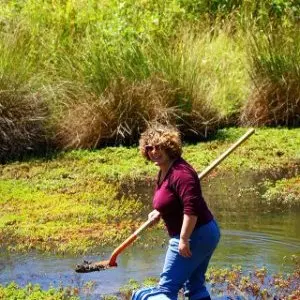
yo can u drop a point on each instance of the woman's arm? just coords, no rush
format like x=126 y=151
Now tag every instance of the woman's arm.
x=187 y=228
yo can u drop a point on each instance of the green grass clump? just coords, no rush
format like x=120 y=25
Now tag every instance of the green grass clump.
x=34 y=292
x=63 y=215
x=210 y=69
x=284 y=193
x=267 y=149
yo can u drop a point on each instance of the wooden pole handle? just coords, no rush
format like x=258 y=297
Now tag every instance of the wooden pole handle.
x=127 y=242
x=226 y=153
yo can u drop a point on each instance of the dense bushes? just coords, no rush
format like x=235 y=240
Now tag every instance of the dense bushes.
x=106 y=69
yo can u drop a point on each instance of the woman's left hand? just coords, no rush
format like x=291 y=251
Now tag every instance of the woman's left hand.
x=184 y=248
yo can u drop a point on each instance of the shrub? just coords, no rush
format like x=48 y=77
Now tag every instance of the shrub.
x=116 y=116
x=122 y=112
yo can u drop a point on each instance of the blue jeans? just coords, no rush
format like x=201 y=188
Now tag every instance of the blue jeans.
x=188 y=273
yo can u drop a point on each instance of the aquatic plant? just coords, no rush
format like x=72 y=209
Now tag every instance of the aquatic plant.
x=252 y=284
x=35 y=292
x=255 y=284
x=63 y=217
x=283 y=194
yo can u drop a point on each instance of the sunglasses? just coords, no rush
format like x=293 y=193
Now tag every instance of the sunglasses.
x=151 y=148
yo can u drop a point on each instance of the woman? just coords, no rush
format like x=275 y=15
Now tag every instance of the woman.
x=178 y=200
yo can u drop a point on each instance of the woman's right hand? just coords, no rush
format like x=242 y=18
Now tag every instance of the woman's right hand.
x=154 y=216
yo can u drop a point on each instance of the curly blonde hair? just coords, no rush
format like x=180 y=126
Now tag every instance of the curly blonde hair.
x=168 y=137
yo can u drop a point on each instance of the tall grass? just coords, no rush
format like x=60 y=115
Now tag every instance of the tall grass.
x=96 y=64
x=196 y=82
x=275 y=72
x=23 y=112
x=22 y=124
x=118 y=115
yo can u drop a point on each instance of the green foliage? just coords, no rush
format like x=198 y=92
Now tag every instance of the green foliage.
x=150 y=281
x=262 y=12
x=126 y=290
x=109 y=297
x=72 y=55
x=283 y=194
x=210 y=70
x=60 y=215
x=258 y=283
x=195 y=8
x=266 y=149
x=34 y=292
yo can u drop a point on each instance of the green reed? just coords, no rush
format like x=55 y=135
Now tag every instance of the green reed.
x=275 y=73
x=74 y=54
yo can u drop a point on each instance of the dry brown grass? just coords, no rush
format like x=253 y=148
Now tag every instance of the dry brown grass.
x=22 y=124
x=123 y=111
x=273 y=104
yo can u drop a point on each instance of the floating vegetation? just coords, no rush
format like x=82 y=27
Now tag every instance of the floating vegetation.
x=255 y=284
x=30 y=291
x=283 y=193
x=232 y=282
x=64 y=215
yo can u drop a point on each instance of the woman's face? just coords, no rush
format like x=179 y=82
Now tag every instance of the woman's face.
x=158 y=155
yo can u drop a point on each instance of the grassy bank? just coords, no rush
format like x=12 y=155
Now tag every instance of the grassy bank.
x=73 y=202
x=73 y=75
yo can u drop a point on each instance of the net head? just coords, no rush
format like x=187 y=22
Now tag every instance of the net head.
x=88 y=266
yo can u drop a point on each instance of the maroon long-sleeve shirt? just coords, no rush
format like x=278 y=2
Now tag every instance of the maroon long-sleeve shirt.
x=178 y=194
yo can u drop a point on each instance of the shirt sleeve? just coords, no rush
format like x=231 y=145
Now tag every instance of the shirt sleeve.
x=187 y=187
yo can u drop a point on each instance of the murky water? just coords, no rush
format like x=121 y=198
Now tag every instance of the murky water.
x=252 y=235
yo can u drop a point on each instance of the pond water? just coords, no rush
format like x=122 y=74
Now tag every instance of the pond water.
x=252 y=235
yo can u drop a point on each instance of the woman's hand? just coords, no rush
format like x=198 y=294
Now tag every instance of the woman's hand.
x=154 y=216
x=184 y=248
x=187 y=228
